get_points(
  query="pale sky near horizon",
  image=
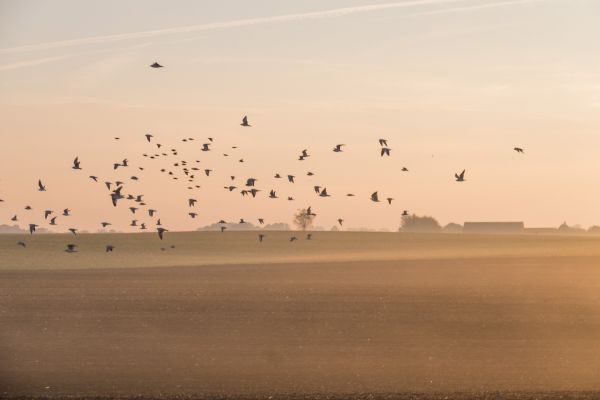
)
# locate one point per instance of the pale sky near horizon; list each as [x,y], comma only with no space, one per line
[451,84]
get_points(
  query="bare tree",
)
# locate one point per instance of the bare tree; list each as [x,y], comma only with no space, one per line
[303,220]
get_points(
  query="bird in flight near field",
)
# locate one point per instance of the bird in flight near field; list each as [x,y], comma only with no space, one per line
[76,163]
[149,137]
[161,231]
[461,177]
[261,237]
[156,65]
[41,186]
[519,150]
[71,248]
[375,197]
[109,248]
[338,148]
[383,142]
[32,228]
[245,121]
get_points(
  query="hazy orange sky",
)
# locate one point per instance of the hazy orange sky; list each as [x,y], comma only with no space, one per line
[451,84]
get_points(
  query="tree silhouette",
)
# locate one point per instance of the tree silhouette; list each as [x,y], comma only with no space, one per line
[303,220]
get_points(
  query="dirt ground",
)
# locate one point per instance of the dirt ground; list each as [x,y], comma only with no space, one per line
[435,316]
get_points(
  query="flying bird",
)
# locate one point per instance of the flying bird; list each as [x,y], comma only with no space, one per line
[260,237]
[71,248]
[375,197]
[41,187]
[389,200]
[109,248]
[161,231]
[461,177]
[383,142]
[245,122]
[385,151]
[519,150]
[32,228]
[76,163]
[338,148]
[156,65]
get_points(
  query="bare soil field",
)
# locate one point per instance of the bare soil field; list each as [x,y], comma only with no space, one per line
[346,315]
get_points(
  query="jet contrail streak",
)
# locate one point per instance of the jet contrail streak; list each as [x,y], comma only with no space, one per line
[338,12]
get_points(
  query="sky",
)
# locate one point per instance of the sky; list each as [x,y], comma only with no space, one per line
[451,84]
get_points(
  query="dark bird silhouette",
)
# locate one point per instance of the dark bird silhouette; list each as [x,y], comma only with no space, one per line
[291,178]
[245,122]
[105,224]
[338,148]
[41,187]
[272,195]
[389,200]
[156,65]
[317,189]
[324,193]
[519,150]
[461,177]
[32,228]
[116,195]
[293,238]
[192,202]
[340,221]
[161,231]
[47,213]
[375,197]
[404,169]
[14,218]
[205,147]
[76,163]
[383,142]
[385,151]
[261,237]
[94,178]
[73,231]
[251,181]
[404,213]
[21,243]
[149,137]
[109,248]
[66,212]
[71,248]
[261,221]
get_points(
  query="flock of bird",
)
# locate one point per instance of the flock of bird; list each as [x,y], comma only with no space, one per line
[117,195]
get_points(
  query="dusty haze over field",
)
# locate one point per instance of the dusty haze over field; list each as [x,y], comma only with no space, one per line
[451,84]
[425,313]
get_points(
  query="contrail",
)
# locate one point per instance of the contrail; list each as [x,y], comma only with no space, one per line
[22,64]
[476,7]
[338,12]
